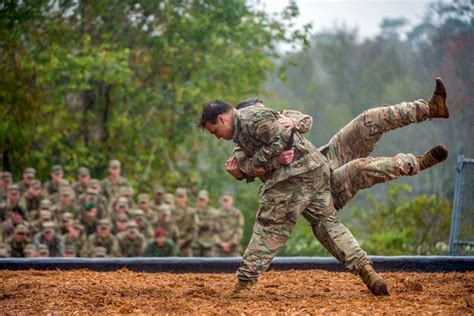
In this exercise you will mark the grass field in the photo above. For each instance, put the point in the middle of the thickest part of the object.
(313, 291)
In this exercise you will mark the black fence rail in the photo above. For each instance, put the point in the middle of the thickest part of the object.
(229, 265)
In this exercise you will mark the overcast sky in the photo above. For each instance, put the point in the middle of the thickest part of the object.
(366, 15)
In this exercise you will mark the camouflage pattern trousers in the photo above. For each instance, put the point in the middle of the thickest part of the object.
(347, 152)
(308, 194)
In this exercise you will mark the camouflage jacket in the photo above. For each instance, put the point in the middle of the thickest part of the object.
(109, 243)
(111, 188)
(206, 234)
(230, 226)
(259, 135)
(131, 247)
(187, 221)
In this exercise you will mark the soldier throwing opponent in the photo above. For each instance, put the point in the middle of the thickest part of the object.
(297, 182)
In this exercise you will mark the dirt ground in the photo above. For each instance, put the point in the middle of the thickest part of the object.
(291, 291)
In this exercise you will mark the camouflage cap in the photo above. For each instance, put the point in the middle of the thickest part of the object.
(181, 192)
(132, 225)
(164, 209)
(143, 198)
(43, 249)
(91, 191)
(36, 184)
(122, 201)
(13, 188)
(20, 228)
(104, 222)
(94, 183)
(30, 170)
(169, 198)
(63, 183)
(77, 224)
(122, 218)
(203, 194)
(56, 168)
(114, 163)
(66, 191)
(227, 195)
(29, 248)
(99, 252)
(49, 225)
(46, 214)
(137, 213)
(45, 204)
(83, 171)
(67, 216)
(69, 248)
(6, 175)
(159, 189)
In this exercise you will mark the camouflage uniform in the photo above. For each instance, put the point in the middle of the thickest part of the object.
(131, 247)
(112, 187)
(206, 239)
(187, 221)
(55, 246)
(109, 243)
(168, 224)
(230, 229)
(303, 187)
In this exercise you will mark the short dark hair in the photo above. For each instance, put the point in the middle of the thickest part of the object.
(248, 102)
(210, 111)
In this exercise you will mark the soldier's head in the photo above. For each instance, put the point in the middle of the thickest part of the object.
(29, 175)
(94, 184)
(66, 196)
(45, 204)
(99, 252)
(103, 228)
(70, 251)
(57, 173)
(226, 201)
(161, 235)
(29, 251)
(67, 220)
(5, 250)
(75, 230)
(202, 199)
(83, 176)
(21, 232)
(165, 213)
(13, 193)
(159, 194)
(121, 222)
(17, 214)
(132, 230)
(34, 189)
(121, 206)
(250, 102)
(143, 201)
(169, 199)
(43, 251)
(181, 197)
(7, 180)
(90, 211)
(217, 119)
(49, 231)
(126, 192)
(91, 195)
(115, 168)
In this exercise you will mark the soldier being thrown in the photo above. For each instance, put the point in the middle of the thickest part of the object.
(297, 186)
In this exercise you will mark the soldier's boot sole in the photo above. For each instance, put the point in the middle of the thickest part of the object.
(437, 101)
(434, 156)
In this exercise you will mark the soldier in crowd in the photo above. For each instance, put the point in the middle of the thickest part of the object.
(13, 200)
(144, 204)
(229, 228)
(144, 226)
(83, 180)
(120, 207)
(132, 243)
(161, 246)
(51, 187)
(18, 241)
(158, 197)
(32, 198)
(7, 180)
(204, 245)
(169, 199)
(5, 250)
(120, 224)
(67, 219)
(66, 203)
(44, 216)
(166, 222)
(49, 238)
(42, 251)
(29, 174)
(29, 251)
(93, 196)
(75, 237)
(16, 218)
(99, 252)
(102, 238)
(70, 251)
(114, 181)
(89, 218)
(186, 218)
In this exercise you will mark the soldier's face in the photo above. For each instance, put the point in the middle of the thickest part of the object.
(223, 128)
(181, 200)
(201, 203)
(34, 190)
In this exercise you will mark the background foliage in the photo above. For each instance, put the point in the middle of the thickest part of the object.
(86, 81)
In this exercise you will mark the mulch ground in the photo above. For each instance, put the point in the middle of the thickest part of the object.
(291, 291)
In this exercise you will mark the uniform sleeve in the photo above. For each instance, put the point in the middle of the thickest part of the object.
(273, 136)
(303, 122)
(245, 164)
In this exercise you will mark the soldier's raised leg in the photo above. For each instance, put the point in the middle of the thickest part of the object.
(364, 173)
(359, 138)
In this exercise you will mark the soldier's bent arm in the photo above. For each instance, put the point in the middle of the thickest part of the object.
(303, 122)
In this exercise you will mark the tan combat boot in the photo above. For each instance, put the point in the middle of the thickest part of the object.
(437, 101)
(436, 155)
(373, 281)
(242, 289)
